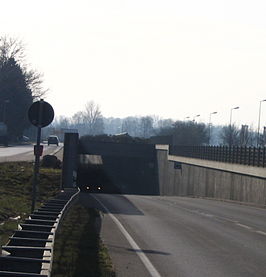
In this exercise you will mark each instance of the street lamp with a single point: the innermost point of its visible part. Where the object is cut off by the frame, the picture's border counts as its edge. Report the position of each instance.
(195, 117)
(230, 126)
(258, 134)
(235, 108)
(210, 125)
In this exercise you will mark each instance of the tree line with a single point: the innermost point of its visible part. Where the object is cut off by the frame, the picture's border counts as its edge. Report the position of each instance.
(91, 122)
(19, 87)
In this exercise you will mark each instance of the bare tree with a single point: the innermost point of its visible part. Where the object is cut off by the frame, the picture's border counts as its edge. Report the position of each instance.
(78, 118)
(93, 118)
(146, 126)
(34, 82)
(62, 122)
(112, 125)
(12, 48)
(159, 123)
(131, 126)
(230, 135)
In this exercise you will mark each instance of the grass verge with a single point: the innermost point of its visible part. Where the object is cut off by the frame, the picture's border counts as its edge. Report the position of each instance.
(15, 193)
(78, 250)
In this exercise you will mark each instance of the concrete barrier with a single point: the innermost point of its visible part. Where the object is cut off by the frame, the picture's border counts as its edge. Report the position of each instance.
(201, 178)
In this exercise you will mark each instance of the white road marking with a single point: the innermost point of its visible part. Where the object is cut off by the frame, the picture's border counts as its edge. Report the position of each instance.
(57, 150)
(244, 226)
(260, 232)
(147, 263)
(251, 229)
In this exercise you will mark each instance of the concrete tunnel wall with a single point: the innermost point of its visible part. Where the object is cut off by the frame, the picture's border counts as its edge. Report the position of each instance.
(126, 164)
(129, 167)
(200, 181)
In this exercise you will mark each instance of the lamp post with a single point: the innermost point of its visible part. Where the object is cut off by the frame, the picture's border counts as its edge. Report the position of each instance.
(235, 108)
(210, 125)
(195, 117)
(230, 126)
(258, 134)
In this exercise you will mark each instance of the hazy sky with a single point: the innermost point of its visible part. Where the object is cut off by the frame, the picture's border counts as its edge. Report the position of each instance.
(141, 57)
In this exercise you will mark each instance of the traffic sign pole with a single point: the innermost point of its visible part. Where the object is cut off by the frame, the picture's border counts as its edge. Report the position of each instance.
(40, 114)
(37, 159)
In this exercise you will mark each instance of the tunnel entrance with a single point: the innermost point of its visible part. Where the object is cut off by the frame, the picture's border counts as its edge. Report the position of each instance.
(127, 168)
(92, 177)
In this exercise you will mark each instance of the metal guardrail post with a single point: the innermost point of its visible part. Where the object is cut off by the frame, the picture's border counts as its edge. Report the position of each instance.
(238, 156)
(258, 157)
(263, 158)
(254, 156)
(31, 251)
(245, 155)
(249, 156)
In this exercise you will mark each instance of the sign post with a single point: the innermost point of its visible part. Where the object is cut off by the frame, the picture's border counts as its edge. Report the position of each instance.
(40, 114)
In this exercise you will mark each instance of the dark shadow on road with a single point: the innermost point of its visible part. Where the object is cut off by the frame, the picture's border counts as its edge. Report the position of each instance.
(115, 203)
(148, 251)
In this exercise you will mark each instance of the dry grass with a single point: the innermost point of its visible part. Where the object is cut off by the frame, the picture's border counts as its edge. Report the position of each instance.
(15, 193)
(78, 250)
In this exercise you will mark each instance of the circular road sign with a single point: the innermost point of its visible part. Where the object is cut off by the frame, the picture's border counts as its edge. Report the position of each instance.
(41, 114)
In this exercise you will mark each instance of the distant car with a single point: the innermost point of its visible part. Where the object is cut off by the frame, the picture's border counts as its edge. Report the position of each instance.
(53, 140)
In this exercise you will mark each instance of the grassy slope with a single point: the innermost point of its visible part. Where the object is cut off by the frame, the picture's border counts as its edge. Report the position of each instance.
(78, 243)
(78, 250)
(15, 193)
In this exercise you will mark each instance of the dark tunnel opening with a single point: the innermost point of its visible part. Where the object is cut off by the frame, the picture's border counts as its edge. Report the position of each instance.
(93, 178)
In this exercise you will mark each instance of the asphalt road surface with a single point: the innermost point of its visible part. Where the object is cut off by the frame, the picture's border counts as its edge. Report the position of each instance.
(178, 236)
(24, 152)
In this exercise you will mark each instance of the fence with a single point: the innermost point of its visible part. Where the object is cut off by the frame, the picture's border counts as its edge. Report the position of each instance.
(252, 156)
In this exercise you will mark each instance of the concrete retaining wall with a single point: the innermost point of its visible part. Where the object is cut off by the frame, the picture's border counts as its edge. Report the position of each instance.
(204, 181)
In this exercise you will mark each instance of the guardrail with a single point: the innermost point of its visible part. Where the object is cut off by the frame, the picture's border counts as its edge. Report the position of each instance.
(29, 251)
(252, 156)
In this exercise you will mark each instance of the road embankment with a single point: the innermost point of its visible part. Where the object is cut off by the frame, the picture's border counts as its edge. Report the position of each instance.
(15, 193)
(78, 249)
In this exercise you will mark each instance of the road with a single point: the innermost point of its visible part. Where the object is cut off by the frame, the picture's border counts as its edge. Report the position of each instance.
(24, 152)
(178, 236)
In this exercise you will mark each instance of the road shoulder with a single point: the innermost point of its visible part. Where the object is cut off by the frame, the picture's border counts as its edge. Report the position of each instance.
(126, 262)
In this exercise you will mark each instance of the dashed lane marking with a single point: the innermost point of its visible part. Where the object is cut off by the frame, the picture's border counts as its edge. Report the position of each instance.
(218, 217)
